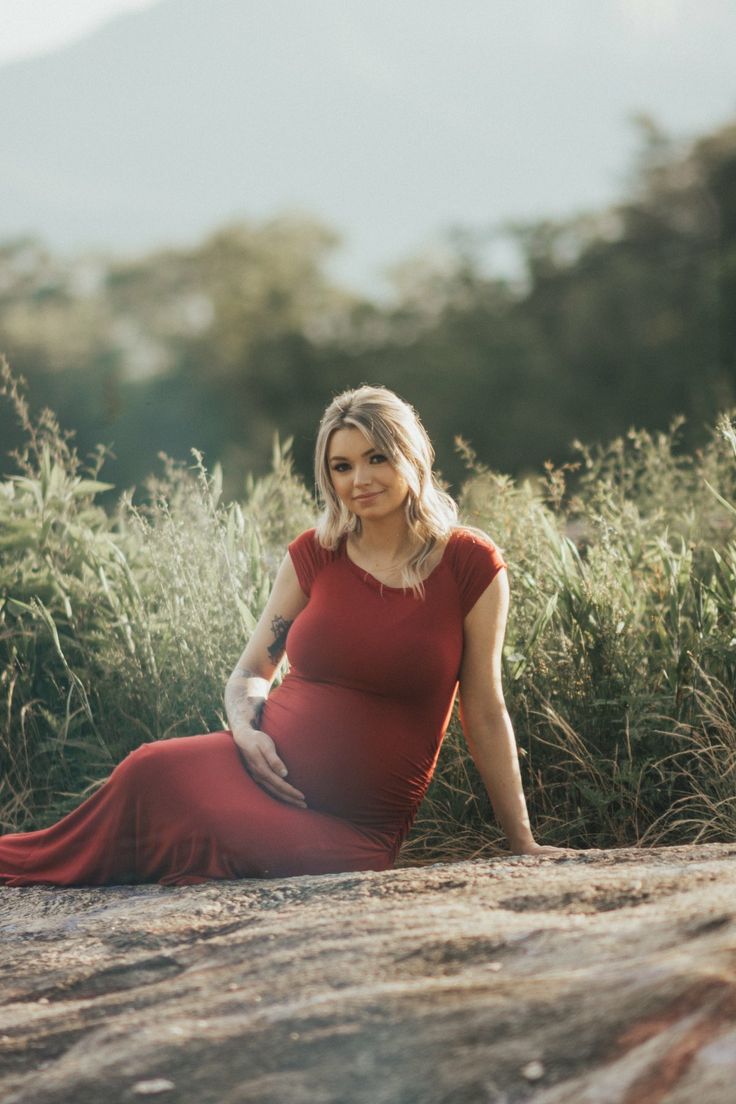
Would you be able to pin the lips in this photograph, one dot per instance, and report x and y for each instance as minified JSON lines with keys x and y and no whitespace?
{"x":366,"y":497}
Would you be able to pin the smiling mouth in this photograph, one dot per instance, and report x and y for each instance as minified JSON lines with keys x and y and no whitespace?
{"x":365,"y":497}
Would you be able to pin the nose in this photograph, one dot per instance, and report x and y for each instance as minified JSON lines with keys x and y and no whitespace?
{"x":363,"y":475}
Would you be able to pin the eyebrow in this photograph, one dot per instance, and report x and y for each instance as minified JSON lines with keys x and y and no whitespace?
{"x":366,"y":453}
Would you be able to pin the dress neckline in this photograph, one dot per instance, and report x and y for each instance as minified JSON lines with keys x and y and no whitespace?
{"x":376,"y":583}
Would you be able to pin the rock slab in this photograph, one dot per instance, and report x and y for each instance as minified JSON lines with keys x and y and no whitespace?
{"x":606,"y":977}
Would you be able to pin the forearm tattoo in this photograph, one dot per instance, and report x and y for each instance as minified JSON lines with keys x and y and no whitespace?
{"x":242,"y":705}
{"x":280,"y":629}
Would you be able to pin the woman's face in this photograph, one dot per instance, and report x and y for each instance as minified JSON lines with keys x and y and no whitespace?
{"x":363,"y":478}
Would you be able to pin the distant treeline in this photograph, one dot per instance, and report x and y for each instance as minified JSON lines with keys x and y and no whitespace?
{"x":624,"y":317}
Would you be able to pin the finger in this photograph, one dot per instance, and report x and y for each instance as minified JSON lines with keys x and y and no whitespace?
{"x":279,"y":788}
{"x":283,"y":788}
{"x":274,"y":763}
{"x":277,"y":765}
{"x":286,"y":800}
{"x":293,"y":800}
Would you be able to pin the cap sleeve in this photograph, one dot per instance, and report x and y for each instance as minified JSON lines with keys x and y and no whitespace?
{"x":308,"y":557}
{"x":477,"y":562}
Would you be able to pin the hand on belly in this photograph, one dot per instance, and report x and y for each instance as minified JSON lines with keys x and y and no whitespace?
{"x":264,"y":765}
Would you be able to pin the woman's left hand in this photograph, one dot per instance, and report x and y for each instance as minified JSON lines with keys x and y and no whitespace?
{"x":545,"y":850}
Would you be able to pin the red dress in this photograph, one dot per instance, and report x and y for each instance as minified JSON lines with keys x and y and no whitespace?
{"x":358,"y":720}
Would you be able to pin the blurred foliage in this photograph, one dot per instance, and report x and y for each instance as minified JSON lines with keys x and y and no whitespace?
{"x":625,"y":316}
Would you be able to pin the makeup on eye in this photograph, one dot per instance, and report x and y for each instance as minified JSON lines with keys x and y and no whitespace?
{"x":343,"y":465}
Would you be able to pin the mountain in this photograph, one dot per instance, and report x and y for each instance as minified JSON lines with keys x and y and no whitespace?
{"x":387,"y":120}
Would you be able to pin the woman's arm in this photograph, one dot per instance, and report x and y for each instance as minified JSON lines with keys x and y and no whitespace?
{"x":247,"y":688}
{"x":485,"y":719}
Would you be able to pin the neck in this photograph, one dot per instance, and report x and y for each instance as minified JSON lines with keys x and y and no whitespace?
{"x":389,"y":537}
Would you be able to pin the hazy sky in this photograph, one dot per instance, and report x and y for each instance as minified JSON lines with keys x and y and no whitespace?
{"x":573,"y":72}
{"x":29,"y":27}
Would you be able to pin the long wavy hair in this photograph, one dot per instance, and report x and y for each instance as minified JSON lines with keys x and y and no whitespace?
{"x":393,"y":427}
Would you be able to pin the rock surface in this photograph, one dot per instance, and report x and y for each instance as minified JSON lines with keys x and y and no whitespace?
{"x":599,"y":978}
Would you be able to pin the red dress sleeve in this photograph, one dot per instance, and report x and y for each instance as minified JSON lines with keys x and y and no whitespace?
{"x":477,"y":562}
{"x":308,"y":557}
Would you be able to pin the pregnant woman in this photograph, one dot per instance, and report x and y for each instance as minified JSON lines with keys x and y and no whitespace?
{"x":384,"y":609}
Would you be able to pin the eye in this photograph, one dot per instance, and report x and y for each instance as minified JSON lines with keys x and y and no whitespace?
{"x":379,"y":458}
{"x":340,"y":466}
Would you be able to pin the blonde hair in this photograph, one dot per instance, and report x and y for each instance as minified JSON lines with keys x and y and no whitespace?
{"x":393,"y":428}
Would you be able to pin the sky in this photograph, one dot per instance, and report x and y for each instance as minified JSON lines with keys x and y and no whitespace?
{"x":31,"y":27}
{"x":575,"y":72}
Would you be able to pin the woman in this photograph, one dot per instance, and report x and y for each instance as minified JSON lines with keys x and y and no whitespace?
{"x":386,"y":606}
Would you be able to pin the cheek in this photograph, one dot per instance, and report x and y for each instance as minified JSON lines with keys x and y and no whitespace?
{"x":339,"y":483}
{"x":402,"y":486}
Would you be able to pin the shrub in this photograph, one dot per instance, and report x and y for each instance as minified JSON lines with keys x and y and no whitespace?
{"x":120,"y":625}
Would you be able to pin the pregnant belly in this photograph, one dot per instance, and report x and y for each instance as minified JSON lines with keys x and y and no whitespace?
{"x":358,"y":756}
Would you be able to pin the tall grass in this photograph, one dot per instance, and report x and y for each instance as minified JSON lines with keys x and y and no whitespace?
{"x":122,"y":627}
{"x":121,"y":624}
{"x":620,"y":661}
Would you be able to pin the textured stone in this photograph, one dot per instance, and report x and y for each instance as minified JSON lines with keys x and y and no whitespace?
{"x":600,"y":978}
